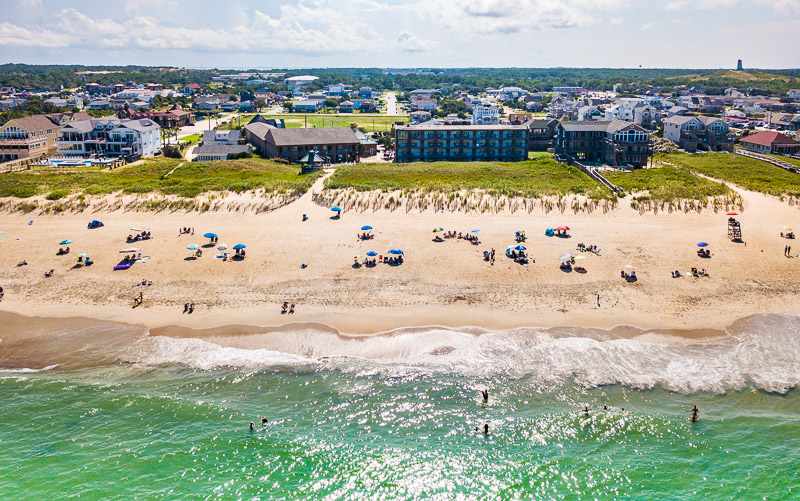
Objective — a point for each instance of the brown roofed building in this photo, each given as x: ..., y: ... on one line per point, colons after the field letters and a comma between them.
x: 769, y: 142
x: 33, y: 136
x: 334, y: 144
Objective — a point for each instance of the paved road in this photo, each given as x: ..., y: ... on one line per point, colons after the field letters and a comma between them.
x: 391, y: 103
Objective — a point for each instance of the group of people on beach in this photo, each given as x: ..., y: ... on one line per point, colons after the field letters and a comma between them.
x: 489, y: 256
x: 364, y: 236
x: 588, y: 248
x: 186, y: 231
x: 145, y: 235
x: 62, y: 252
x: 287, y: 309
x: 188, y: 308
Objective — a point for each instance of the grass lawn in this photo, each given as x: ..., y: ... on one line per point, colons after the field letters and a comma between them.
x: 749, y: 173
x: 533, y: 179
x: 667, y: 184
x: 193, y: 139
x: 380, y: 122
x: 188, y: 181
x: 533, y: 155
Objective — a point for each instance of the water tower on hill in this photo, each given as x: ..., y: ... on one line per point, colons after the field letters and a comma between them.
x: 739, y: 66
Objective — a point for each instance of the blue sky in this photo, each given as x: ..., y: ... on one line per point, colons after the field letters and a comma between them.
x: 412, y: 33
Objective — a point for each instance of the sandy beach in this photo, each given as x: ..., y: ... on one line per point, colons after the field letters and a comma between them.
x: 446, y: 283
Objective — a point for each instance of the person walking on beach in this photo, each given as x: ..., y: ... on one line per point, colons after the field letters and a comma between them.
x: 785, y: 250
x: 598, y: 300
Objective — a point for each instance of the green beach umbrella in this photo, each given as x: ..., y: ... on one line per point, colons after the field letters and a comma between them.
x: 65, y: 242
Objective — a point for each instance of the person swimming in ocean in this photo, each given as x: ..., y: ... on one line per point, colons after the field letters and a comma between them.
x: 486, y: 429
x: 485, y: 394
x: 263, y: 421
x: 694, y: 414
x: 586, y: 410
x: 252, y: 426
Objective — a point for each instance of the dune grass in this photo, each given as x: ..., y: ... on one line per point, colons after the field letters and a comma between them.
x: 667, y: 184
x: 749, y: 173
x: 295, y: 120
x: 188, y: 181
x: 531, y: 179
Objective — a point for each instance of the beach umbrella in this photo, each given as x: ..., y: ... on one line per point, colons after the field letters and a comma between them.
x: 239, y: 246
x: 192, y: 246
x: 564, y: 257
x: 82, y: 254
x: 703, y: 244
x: 129, y: 249
x: 519, y: 247
x: 372, y: 253
x: 629, y: 267
x: 786, y: 228
x: 475, y: 231
x: 65, y: 242
x: 222, y: 246
x: 577, y: 258
x: 336, y: 209
x: 395, y: 251
x: 732, y: 214
x: 136, y: 229
x: 437, y: 230
x: 366, y: 227
x: 562, y: 228
x: 210, y: 235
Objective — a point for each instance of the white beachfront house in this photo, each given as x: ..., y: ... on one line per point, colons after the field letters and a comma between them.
x: 110, y: 137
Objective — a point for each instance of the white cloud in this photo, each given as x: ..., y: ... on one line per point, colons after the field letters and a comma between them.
x: 778, y: 6
x: 514, y: 16
x: 408, y: 42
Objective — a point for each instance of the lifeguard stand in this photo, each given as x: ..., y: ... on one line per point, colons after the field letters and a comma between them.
x: 734, y: 230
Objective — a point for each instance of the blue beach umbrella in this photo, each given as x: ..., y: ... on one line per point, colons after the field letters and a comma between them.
x: 65, y: 242
x: 366, y: 227
x: 520, y: 248
x: 372, y: 253
x: 336, y: 209
x: 475, y: 231
x: 395, y: 251
x: 239, y: 246
x: 192, y: 246
x: 703, y: 244
x: 210, y: 235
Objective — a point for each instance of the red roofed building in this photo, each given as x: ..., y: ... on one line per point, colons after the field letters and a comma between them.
x: 769, y: 142
x: 192, y: 89
x: 174, y: 117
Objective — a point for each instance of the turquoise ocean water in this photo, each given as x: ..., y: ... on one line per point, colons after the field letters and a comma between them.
x: 168, y: 419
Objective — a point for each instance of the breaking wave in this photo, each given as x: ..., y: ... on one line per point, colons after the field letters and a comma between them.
x: 761, y: 350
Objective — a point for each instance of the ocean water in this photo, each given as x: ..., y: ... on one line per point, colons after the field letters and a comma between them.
x: 393, y: 416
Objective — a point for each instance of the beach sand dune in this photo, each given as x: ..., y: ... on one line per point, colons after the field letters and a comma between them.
x: 446, y: 283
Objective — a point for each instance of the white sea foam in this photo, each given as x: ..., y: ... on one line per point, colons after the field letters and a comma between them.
x: 160, y: 350
x: 763, y: 350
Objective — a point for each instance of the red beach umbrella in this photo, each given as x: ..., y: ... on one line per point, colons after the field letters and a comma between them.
x: 563, y: 228
x: 732, y: 214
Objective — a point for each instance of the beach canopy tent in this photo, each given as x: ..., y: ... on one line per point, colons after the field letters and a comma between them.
x: 192, y: 246
x: 514, y: 248
x: 336, y: 209
x: 395, y: 251
x: 239, y: 246
x: 564, y: 257
x: 372, y: 253
x: 702, y: 244
x: 65, y: 242
x: 95, y: 223
x: 549, y: 232
x: 366, y: 227
x: 210, y: 235
x: 129, y: 249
